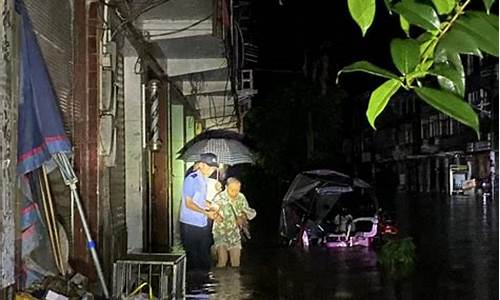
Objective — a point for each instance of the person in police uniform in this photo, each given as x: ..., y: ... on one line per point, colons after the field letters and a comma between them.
x: 195, y: 213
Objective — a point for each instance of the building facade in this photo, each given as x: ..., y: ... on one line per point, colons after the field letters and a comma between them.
x: 134, y: 80
x: 414, y: 146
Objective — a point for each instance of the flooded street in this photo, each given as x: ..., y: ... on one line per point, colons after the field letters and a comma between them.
x: 457, y: 258
x: 457, y: 246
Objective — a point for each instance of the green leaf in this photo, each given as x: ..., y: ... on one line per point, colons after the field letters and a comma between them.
x: 444, y: 7
x: 451, y: 105
x: 487, y: 4
x: 427, y: 48
x: 418, y: 14
x: 455, y: 81
x: 445, y: 56
x: 492, y: 19
x: 425, y: 40
x: 456, y: 40
x: 404, y: 25
x: 446, y: 84
x: 397, y: 258
x: 405, y: 54
x: 367, y: 67
x: 426, y: 65
x: 363, y: 13
x: 481, y: 31
x: 424, y: 37
x: 379, y: 99
x: 452, y: 59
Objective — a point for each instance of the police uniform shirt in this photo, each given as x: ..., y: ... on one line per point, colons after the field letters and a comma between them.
x: 195, y: 187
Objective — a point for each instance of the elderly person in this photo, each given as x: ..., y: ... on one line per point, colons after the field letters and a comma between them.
x: 195, y: 213
x: 233, y: 212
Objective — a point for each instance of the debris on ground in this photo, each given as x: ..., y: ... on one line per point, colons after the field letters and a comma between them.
x: 58, y: 288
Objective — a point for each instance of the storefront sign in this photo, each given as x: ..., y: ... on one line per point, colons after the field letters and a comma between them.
x: 458, y: 176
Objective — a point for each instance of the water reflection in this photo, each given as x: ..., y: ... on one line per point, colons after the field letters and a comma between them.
x: 457, y: 244
x: 457, y: 258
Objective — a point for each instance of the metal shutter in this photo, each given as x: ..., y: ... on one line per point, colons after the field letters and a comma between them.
x: 53, y: 24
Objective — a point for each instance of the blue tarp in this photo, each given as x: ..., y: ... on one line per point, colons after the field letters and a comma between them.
x: 40, y: 134
x: 40, y: 129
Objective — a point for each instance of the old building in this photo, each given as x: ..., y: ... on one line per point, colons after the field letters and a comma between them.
x: 134, y: 80
x: 414, y: 145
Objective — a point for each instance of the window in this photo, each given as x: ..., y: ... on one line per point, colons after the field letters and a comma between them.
x: 434, y: 128
x: 356, y: 146
x: 424, y: 128
x: 454, y: 127
x: 410, y: 105
x: 408, y: 134
x: 401, y: 135
x: 484, y: 104
x: 444, y: 124
x: 479, y: 100
x: 469, y: 65
x: 365, y: 144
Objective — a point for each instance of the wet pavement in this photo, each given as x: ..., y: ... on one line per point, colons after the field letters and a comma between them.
x: 457, y: 258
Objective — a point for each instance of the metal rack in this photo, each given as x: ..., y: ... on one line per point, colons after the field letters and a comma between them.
x: 165, y: 273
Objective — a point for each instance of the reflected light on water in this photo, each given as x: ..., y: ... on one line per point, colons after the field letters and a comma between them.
x: 457, y: 258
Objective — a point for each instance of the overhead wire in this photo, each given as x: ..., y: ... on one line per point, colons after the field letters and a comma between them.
x: 242, y: 42
x: 232, y: 76
x: 212, y: 105
x: 130, y: 19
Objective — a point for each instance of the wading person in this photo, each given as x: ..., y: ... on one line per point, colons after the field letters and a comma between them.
x: 195, y: 213
x: 233, y: 211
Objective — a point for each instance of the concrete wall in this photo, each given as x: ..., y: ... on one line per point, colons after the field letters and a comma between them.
x: 133, y: 155
x: 173, y: 29
x: 183, y: 66
x: 8, y: 134
x: 179, y: 10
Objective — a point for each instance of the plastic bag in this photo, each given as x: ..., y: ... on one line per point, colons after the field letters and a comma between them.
x: 136, y: 295
x: 245, y: 232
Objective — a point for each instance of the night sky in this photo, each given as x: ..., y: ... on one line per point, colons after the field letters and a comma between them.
x: 285, y: 31
x: 278, y: 125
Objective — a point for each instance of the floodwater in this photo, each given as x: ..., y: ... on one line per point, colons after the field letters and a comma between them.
x: 457, y: 258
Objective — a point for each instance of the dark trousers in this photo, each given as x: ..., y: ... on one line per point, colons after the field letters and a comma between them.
x: 197, y: 241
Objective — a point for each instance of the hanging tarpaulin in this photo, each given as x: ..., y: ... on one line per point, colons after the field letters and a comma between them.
x: 41, y: 134
x: 41, y: 131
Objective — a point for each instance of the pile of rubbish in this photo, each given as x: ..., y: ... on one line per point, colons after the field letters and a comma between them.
x: 59, y: 288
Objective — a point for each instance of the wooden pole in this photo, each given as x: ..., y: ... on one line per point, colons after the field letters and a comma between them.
x: 55, y: 228
x: 48, y: 222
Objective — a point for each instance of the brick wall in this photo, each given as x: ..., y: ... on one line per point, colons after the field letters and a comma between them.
x: 85, y: 84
